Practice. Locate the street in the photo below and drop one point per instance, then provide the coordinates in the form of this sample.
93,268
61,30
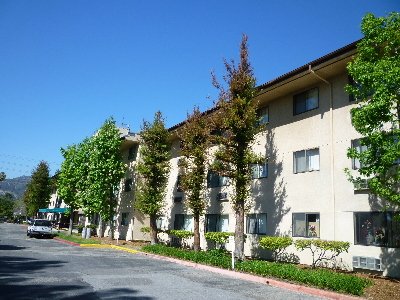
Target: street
48,269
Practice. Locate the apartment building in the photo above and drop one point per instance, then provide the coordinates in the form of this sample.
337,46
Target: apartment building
301,190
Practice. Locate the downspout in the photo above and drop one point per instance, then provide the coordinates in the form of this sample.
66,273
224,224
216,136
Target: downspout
332,162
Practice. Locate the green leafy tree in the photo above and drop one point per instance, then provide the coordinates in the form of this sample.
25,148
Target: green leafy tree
2,176
195,141
153,169
6,205
238,122
376,73
72,178
38,191
105,171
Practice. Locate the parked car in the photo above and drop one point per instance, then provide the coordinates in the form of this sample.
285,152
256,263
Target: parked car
40,227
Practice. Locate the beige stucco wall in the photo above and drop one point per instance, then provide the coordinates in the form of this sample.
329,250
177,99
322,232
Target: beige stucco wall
283,193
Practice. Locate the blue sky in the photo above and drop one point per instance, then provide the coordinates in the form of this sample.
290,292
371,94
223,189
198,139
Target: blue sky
66,66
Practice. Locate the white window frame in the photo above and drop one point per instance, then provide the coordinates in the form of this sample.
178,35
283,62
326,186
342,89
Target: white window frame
311,229
310,99
259,170
310,162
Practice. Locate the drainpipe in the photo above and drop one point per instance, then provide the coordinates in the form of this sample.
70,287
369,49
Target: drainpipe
332,162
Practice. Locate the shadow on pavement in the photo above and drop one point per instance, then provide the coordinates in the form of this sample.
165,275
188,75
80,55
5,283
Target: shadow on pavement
22,278
11,247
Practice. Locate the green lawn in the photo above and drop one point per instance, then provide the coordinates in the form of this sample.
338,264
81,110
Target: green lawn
76,238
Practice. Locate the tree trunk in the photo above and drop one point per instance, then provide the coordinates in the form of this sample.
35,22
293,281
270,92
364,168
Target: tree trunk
196,242
71,220
101,227
153,230
239,231
111,235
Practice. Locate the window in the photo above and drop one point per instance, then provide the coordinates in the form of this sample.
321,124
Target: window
257,223
128,185
356,144
259,170
215,180
305,224
263,115
161,223
217,223
133,152
305,101
183,222
124,219
306,160
377,229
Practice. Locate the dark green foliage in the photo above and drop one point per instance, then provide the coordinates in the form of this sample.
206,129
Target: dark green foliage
277,244
321,278
2,176
37,194
153,169
376,73
6,205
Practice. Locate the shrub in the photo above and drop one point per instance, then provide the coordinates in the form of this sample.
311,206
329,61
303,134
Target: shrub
181,234
145,229
220,238
322,250
277,244
80,228
321,278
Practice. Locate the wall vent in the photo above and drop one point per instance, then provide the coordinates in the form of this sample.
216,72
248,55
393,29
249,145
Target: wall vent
368,263
222,196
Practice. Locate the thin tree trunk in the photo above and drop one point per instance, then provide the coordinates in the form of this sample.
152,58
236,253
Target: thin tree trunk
153,230
111,235
71,220
239,231
101,227
196,242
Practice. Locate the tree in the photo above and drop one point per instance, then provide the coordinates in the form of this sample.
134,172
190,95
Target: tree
2,176
38,191
238,122
104,174
153,169
6,205
376,74
195,141
72,179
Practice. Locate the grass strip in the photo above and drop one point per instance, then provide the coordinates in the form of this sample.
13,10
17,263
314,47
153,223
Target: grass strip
76,238
320,278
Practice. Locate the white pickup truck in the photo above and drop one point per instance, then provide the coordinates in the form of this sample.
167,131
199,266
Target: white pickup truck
40,227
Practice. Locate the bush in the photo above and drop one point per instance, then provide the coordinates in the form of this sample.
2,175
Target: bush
321,278
220,238
80,228
277,244
145,229
322,250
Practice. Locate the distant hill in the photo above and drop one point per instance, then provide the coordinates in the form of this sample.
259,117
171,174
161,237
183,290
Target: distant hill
15,186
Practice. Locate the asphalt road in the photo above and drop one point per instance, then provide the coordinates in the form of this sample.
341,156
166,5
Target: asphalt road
47,269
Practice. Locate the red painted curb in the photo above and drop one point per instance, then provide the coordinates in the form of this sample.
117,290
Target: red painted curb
66,242
258,279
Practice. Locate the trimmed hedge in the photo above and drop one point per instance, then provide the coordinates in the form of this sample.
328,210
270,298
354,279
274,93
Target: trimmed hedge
321,278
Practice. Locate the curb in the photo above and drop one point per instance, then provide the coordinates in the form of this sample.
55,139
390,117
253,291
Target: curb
243,276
